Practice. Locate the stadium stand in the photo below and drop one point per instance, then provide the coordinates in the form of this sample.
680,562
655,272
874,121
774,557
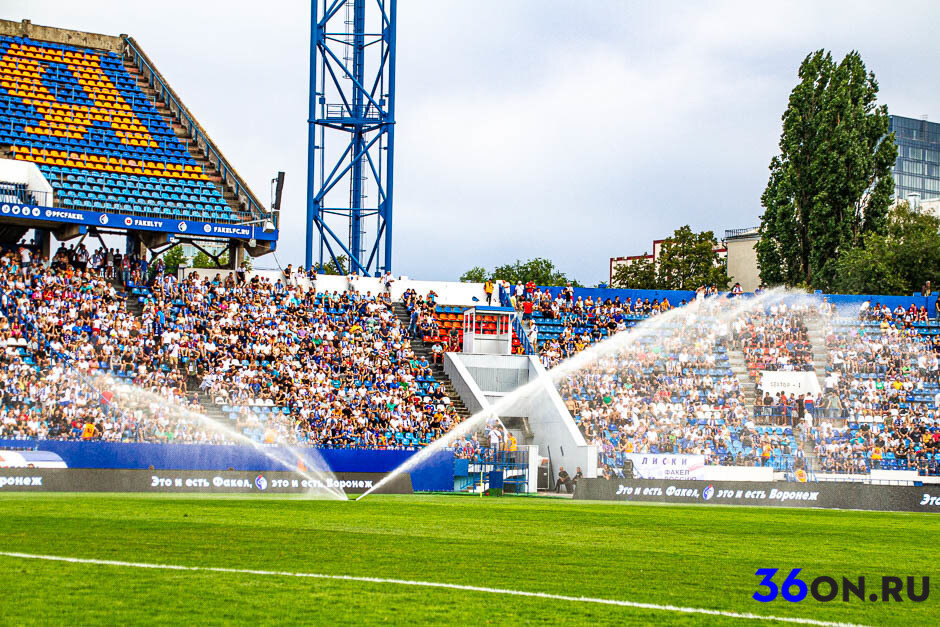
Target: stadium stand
110,136
82,117
442,325
882,387
284,363
674,392
281,363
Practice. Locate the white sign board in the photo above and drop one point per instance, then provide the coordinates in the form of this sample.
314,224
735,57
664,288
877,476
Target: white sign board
667,466
793,383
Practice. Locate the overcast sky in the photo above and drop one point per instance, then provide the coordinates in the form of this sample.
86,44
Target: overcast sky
571,130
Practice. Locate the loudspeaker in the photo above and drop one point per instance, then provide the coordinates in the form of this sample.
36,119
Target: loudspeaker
628,469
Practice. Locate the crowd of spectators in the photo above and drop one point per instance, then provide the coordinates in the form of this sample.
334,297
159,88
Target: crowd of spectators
882,384
776,337
288,364
567,325
291,365
672,391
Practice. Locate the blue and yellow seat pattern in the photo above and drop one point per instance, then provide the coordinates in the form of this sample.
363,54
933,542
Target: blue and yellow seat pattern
80,116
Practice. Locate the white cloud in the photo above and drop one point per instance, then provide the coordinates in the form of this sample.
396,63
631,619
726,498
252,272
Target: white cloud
570,130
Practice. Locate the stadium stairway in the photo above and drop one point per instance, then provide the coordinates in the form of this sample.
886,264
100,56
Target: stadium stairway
210,408
739,367
421,349
215,177
817,338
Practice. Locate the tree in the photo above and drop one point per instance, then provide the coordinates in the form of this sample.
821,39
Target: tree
687,260
331,267
638,274
540,271
831,184
476,274
898,262
174,258
202,260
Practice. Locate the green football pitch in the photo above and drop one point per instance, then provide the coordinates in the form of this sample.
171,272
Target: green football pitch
243,557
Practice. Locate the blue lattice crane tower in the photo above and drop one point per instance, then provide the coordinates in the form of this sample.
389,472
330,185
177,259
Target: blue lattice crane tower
351,133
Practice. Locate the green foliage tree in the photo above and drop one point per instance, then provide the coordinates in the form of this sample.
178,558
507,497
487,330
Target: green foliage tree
331,267
476,274
202,260
174,258
688,259
830,185
898,262
540,271
639,274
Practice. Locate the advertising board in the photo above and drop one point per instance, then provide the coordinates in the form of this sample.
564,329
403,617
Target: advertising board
780,494
199,481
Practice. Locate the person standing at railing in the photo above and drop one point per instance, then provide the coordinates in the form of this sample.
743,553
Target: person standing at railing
533,335
488,290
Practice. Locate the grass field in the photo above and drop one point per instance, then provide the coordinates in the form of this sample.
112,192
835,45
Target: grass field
699,557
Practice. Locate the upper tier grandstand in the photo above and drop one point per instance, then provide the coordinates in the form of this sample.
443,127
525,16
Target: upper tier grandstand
115,143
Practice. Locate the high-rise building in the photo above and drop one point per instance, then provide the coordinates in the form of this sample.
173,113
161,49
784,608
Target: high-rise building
917,170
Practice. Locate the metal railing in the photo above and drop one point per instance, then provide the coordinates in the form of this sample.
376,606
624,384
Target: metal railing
513,464
738,232
504,301
18,194
227,173
361,112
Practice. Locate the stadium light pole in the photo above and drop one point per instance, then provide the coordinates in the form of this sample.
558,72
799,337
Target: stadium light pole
352,46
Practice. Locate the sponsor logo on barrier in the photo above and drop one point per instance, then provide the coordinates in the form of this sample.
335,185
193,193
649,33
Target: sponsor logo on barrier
35,480
128,221
64,215
826,588
103,218
219,481
5,209
930,500
182,227
226,230
708,493
150,224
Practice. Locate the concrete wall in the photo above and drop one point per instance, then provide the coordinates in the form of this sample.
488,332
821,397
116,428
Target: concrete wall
742,262
460,377
61,35
26,173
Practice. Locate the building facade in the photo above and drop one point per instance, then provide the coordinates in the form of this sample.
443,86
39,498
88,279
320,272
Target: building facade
742,258
917,169
616,262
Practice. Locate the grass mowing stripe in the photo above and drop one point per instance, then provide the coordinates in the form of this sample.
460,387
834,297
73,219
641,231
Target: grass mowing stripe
427,584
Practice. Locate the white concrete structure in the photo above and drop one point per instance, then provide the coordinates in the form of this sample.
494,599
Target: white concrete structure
28,174
476,341
487,382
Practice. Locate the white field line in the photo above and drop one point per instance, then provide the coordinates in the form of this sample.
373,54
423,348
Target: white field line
430,584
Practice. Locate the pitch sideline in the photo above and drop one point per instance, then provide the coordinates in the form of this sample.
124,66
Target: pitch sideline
429,584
